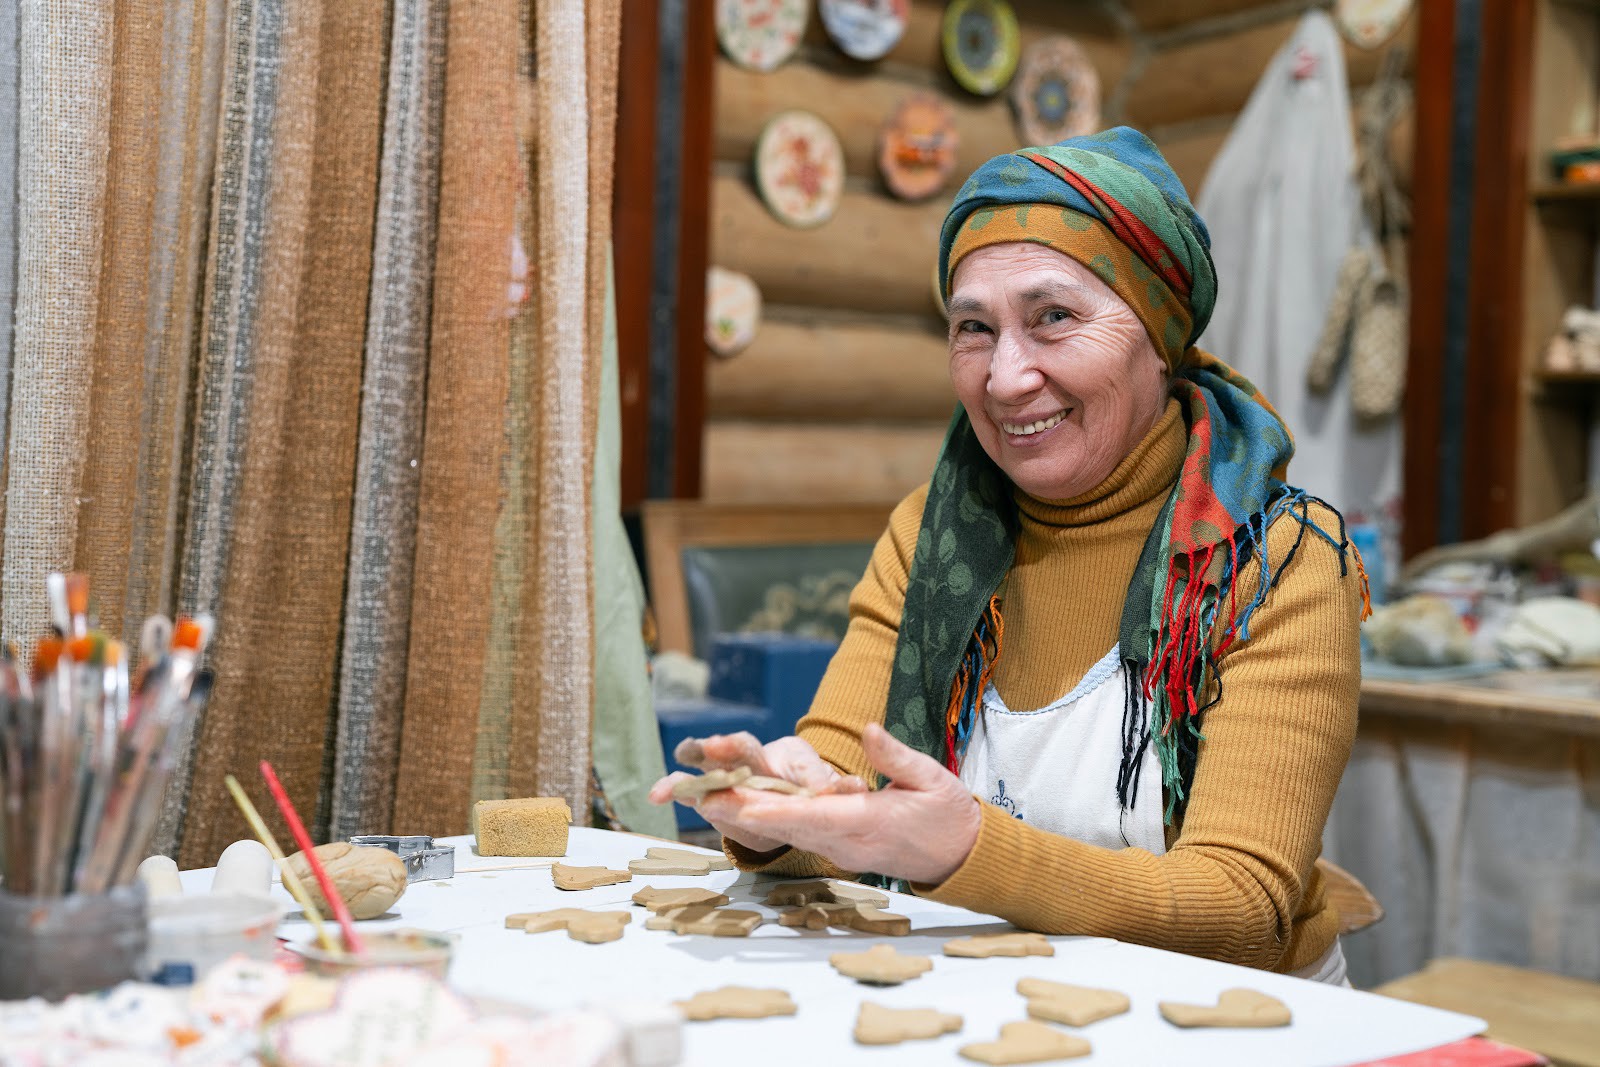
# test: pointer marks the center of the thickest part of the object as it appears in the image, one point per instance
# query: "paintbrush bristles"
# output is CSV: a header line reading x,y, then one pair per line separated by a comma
x,y
85,753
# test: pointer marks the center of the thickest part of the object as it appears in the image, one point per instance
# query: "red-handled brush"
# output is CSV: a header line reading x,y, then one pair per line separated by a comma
x,y
303,839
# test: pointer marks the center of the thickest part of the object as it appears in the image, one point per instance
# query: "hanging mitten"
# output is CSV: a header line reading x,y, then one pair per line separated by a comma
x,y
1325,358
1378,348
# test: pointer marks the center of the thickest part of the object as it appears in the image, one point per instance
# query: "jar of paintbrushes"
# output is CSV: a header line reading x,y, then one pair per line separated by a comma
x,y
88,741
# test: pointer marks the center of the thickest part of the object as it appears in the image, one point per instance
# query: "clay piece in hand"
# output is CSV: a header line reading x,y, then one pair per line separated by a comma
x,y
709,782
877,1025
1234,1008
706,919
776,785
1027,1042
591,927
985,945
824,892
716,861
1075,1005
659,900
736,1002
690,753
880,965
575,878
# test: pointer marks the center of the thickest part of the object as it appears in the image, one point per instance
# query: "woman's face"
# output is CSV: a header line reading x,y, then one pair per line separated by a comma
x,y
1056,372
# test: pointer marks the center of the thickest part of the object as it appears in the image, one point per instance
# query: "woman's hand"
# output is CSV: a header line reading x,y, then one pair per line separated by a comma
x,y
920,827
788,758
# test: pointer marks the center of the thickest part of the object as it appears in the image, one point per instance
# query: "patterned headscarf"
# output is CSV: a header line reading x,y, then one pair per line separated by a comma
x,y
1111,202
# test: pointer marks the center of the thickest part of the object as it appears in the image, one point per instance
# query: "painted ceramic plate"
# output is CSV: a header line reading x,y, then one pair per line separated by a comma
x,y
864,29
1369,23
981,41
760,34
799,168
917,147
1057,92
733,311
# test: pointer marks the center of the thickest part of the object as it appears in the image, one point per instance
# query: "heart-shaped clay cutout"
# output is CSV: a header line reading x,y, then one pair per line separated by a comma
x,y
1234,1008
1027,1042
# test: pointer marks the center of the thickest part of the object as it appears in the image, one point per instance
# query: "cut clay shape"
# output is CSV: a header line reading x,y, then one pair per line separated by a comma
x,y
1075,1005
1234,1008
573,878
862,917
706,919
880,965
824,892
986,945
776,785
697,866
591,927
659,900
877,1025
736,1002
1027,1042
715,862
709,782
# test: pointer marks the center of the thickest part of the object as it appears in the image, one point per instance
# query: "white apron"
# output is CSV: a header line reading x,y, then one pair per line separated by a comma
x,y
1056,769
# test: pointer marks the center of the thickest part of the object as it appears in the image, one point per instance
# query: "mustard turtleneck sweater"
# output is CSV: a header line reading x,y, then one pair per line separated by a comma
x,y
1238,882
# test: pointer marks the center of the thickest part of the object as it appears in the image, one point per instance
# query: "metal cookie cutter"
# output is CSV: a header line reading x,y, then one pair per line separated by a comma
x,y
424,862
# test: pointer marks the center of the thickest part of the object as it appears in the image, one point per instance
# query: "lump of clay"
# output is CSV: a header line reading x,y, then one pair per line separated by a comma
x,y
877,1025
1234,1008
529,826
880,965
369,880
986,945
1027,1042
1074,1005
736,1002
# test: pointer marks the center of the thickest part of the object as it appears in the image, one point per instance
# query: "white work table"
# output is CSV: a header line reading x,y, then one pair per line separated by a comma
x,y
1331,1025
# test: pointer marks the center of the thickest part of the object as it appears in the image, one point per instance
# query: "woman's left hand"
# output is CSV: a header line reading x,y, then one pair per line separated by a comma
x,y
921,826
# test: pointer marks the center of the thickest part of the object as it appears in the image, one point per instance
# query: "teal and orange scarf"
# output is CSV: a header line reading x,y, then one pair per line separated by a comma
x,y
1182,611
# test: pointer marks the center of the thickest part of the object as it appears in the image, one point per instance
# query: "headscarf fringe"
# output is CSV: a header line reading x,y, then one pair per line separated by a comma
x,y
972,681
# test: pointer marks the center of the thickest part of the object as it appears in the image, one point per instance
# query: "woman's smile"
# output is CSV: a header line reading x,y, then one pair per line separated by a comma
x,y
1032,433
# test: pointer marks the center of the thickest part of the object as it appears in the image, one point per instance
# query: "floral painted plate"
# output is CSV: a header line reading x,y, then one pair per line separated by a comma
x,y
981,42
799,168
1057,92
864,29
760,34
733,311
917,147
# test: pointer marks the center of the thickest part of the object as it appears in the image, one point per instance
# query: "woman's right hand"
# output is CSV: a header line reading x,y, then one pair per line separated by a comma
x,y
788,758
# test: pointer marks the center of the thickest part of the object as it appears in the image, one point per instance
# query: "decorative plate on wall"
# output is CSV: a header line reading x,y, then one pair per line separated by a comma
x,y
761,34
864,29
981,41
1057,92
799,168
917,147
1369,23
733,311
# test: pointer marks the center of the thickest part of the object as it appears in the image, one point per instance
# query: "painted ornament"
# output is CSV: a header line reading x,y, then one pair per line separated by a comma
x,y
865,29
917,147
1057,92
1369,23
799,169
981,43
733,311
760,34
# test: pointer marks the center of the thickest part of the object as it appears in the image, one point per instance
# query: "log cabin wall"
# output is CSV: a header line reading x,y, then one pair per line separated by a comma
x,y
843,395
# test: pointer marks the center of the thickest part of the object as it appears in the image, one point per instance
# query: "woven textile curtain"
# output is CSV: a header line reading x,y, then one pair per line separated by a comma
x,y
302,311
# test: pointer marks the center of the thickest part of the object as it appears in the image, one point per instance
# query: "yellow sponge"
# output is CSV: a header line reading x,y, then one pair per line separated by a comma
x,y
530,826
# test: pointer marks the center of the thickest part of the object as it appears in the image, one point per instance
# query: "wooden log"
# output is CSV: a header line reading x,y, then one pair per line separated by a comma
x,y
754,462
1214,76
874,255
1154,16
856,105
835,371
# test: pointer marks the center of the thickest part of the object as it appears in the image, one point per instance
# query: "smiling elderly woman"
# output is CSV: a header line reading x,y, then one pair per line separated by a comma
x,y
1102,670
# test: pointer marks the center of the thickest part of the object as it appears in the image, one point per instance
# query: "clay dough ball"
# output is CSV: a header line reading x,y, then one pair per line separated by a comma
x,y
369,880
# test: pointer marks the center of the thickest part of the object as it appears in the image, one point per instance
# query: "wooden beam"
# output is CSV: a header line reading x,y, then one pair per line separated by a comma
x,y
633,229
830,371
1430,228
699,65
762,462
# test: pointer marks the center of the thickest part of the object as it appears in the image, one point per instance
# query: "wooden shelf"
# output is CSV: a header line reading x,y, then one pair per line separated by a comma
x,y
1567,377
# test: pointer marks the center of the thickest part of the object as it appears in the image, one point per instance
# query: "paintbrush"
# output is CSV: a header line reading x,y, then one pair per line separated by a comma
x,y
297,829
291,881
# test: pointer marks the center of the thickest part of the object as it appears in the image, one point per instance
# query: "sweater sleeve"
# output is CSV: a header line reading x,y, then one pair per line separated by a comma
x,y
1233,883
855,688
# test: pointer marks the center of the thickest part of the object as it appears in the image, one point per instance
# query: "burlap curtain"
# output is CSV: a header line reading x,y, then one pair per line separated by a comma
x,y
309,300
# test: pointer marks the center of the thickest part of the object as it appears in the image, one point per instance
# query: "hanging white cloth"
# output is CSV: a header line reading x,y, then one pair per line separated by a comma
x,y
1283,207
